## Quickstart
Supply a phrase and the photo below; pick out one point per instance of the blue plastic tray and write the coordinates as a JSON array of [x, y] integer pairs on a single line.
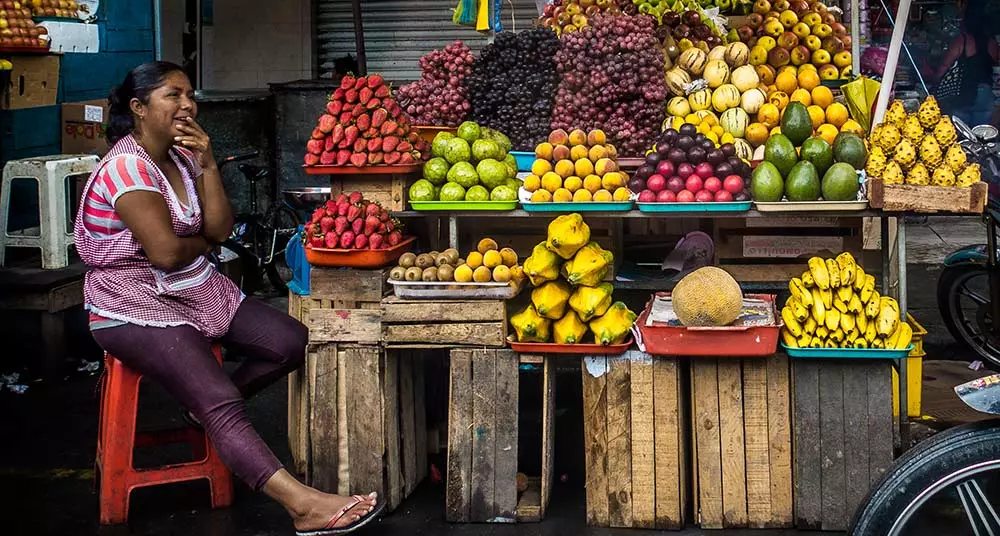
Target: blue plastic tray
[[846, 353], [580, 206], [735, 206], [524, 160]]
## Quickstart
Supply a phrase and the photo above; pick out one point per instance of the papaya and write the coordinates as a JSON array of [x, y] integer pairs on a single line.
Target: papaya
[[589, 266], [614, 326], [550, 299], [569, 329], [529, 326], [589, 302], [543, 265], [567, 234]]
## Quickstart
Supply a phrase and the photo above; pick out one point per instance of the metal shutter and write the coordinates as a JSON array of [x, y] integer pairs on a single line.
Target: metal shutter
[[398, 32]]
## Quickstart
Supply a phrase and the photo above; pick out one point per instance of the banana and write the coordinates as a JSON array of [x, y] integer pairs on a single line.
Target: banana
[[873, 305], [830, 344], [862, 321], [834, 271], [870, 333], [837, 336], [827, 296], [888, 316], [799, 290], [800, 311], [839, 304], [878, 343], [852, 336], [860, 342], [789, 339], [807, 279], [832, 320], [820, 273], [791, 322], [868, 288], [901, 339], [859, 278], [818, 309], [854, 305], [845, 293], [847, 322], [822, 332], [804, 340], [815, 343], [809, 326], [846, 343], [848, 269]]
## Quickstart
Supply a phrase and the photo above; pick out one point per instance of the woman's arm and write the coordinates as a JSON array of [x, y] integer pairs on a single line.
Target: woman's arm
[[216, 211], [145, 213], [954, 52]]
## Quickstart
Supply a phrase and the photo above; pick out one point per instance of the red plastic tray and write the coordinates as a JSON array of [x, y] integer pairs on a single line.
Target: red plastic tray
[[358, 258], [363, 170], [24, 50], [575, 349], [726, 341]]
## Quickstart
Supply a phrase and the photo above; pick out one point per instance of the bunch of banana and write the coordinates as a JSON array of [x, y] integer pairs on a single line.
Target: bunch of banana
[[834, 304]]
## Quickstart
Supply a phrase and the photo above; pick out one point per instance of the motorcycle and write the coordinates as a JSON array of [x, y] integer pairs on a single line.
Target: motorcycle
[[968, 290]]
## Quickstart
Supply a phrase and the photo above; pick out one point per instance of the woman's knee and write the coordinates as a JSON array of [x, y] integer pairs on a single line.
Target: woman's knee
[[292, 342]]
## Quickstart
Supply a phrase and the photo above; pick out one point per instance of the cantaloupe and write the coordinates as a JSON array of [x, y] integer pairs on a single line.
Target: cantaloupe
[[708, 296]]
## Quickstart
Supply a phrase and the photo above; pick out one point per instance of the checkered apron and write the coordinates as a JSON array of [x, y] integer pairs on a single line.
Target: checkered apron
[[123, 285]]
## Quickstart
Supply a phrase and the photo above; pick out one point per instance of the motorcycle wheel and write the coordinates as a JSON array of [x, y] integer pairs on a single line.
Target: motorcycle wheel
[[947, 484], [963, 296]]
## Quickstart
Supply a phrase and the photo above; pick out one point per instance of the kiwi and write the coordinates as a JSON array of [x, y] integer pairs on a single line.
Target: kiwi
[[424, 260], [408, 260], [434, 254], [442, 260], [413, 274], [452, 254], [397, 274], [446, 272], [430, 274]]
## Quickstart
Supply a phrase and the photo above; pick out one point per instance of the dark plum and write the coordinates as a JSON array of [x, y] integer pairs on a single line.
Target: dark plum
[[723, 169], [684, 143], [677, 155], [707, 144], [644, 171], [652, 159], [699, 137], [735, 162], [715, 157], [636, 184], [663, 149], [728, 149], [670, 136], [696, 155], [687, 129]]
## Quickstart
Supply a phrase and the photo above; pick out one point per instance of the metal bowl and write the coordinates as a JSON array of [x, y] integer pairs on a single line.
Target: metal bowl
[[306, 198], [985, 132]]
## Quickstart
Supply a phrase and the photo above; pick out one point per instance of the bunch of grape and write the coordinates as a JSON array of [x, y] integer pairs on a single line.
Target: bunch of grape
[[439, 98], [612, 79], [512, 85]]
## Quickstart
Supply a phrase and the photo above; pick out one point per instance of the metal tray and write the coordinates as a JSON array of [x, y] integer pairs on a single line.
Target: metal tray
[[580, 206], [570, 349], [462, 205], [811, 206], [437, 290], [735, 206], [846, 353]]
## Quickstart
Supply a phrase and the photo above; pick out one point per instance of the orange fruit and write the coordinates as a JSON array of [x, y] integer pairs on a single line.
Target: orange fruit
[[801, 95], [573, 183], [532, 182], [603, 196], [808, 79], [622, 194], [583, 167], [581, 196], [769, 115], [776, 130], [822, 96], [854, 127], [578, 152], [837, 114], [492, 259], [592, 183], [779, 99], [562, 195], [828, 132], [541, 167], [501, 274], [786, 81], [817, 115], [552, 182], [756, 134], [474, 259], [482, 275], [541, 196], [564, 168]]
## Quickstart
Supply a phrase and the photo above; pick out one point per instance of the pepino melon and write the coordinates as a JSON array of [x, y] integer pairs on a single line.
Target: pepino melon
[[708, 296], [693, 60]]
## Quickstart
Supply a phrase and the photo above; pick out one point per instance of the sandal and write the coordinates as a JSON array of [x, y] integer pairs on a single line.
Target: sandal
[[329, 530]]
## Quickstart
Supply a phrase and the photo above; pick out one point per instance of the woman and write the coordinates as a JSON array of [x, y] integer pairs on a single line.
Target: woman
[[976, 52], [152, 210]]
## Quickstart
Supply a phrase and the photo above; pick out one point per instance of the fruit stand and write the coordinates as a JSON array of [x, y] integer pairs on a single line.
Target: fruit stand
[[701, 389]]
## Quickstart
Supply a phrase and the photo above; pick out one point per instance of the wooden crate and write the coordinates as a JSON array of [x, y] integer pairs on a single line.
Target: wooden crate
[[909, 198], [743, 442], [482, 436], [634, 439], [443, 323], [843, 437], [388, 191], [776, 249], [534, 501]]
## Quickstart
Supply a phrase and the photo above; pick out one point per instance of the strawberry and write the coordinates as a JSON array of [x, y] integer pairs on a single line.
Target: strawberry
[[360, 242], [374, 144], [376, 241], [358, 159], [347, 81], [404, 121], [337, 134], [364, 122], [340, 200], [311, 159], [371, 224], [330, 240], [383, 215], [375, 81], [360, 145], [326, 224], [353, 212], [333, 108], [355, 197], [404, 147], [390, 143], [382, 92], [388, 127], [351, 134], [394, 110], [330, 206], [406, 159], [318, 134], [326, 123], [389, 103], [330, 145], [340, 224], [413, 137], [392, 158], [347, 240], [343, 209], [390, 226], [316, 241], [345, 118], [343, 156], [327, 158], [361, 82], [401, 132], [381, 228], [351, 96], [372, 104], [338, 94], [358, 225], [318, 214], [375, 159], [373, 209], [370, 133], [359, 109], [394, 238], [365, 95], [343, 144], [314, 146], [378, 117]]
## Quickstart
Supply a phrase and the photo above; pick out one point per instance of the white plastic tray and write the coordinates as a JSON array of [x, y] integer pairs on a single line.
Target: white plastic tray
[[426, 290], [810, 206]]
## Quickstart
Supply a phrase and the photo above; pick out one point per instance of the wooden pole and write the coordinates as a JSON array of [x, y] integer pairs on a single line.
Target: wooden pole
[[856, 36], [359, 37]]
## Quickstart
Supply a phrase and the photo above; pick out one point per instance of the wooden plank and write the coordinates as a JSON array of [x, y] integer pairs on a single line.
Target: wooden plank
[[407, 423], [467, 334], [350, 285], [805, 425], [548, 433], [52, 300], [643, 461], [391, 402], [619, 442], [705, 387], [420, 413], [595, 437], [397, 311], [529, 508], [909, 198], [365, 419], [532, 359], [343, 429], [459, 478], [733, 442], [755, 421], [294, 391], [831, 426], [484, 419], [505, 465], [344, 325], [756, 273], [323, 440], [855, 434], [669, 486], [779, 436], [880, 420]]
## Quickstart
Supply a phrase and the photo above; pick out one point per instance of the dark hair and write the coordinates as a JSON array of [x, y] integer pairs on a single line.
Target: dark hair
[[139, 83]]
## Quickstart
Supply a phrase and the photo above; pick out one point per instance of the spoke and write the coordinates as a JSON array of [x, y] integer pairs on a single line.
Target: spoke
[[978, 298], [965, 506], [981, 515], [988, 505]]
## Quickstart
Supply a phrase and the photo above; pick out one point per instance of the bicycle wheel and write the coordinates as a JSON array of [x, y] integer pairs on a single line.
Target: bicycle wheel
[[283, 222], [964, 301], [245, 270], [949, 484]]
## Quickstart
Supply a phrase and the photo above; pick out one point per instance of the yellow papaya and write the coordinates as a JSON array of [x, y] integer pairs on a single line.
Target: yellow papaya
[[550, 299], [614, 326], [530, 326], [569, 329], [589, 302], [543, 265], [567, 234], [589, 266]]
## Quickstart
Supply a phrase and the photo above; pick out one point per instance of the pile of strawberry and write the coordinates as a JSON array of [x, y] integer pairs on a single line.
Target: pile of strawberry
[[364, 126], [351, 222]]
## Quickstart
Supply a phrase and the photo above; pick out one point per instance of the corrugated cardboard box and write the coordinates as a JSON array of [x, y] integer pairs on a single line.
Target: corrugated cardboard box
[[34, 81], [83, 126]]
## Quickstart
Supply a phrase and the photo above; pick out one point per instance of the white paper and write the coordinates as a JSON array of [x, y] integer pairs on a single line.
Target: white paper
[[93, 113]]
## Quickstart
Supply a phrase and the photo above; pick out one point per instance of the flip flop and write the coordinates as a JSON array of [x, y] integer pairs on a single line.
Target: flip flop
[[329, 530]]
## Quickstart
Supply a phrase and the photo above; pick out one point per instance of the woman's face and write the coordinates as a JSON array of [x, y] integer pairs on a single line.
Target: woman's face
[[169, 105]]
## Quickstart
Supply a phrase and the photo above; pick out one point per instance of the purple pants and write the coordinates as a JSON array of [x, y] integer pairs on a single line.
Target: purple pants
[[180, 359]]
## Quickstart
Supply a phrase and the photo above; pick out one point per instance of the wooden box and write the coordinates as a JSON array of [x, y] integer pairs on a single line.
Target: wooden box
[[388, 191], [909, 198], [743, 442], [534, 500], [482, 436], [634, 440], [443, 323], [843, 437]]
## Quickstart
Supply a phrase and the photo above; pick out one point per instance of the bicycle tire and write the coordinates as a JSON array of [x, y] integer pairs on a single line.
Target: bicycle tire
[[277, 270], [248, 277], [920, 469], [946, 293]]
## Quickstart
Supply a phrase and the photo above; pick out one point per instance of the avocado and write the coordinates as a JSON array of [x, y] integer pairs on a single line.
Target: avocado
[[802, 183], [796, 123], [780, 151], [840, 183], [766, 184], [819, 152], [850, 149]]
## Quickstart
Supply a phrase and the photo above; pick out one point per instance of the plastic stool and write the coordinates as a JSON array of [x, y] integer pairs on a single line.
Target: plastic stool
[[50, 173], [117, 439]]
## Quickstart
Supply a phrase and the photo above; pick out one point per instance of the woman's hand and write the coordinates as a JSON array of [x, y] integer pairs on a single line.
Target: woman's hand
[[196, 140]]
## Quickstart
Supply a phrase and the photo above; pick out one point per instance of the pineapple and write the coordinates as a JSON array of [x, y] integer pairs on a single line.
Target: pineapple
[[918, 175], [930, 152], [889, 138], [955, 158], [912, 129], [945, 133], [876, 162], [896, 114], [943, 176], [906, 154], [892, 174], [970, 176], [929, 113]]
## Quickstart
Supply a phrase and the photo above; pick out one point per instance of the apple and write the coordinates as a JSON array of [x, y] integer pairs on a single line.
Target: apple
[[684, 170], [723, 196], [675, 184], [685, 197], [666, 196], [665, 168], [656, 183], [647, 196], [713, 184], [704, 196], [733, 184], [694, 183], [813, 42], [704, 171]]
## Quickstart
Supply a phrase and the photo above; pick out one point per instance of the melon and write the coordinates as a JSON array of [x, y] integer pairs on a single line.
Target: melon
[[745, 78], [678, 106], [693, 60], [707, 297], [677, 78], [726, 97], [743, 149], [700, 100], [717, 53], [752, 100], [716, 73], [737, 54], [735, 121]]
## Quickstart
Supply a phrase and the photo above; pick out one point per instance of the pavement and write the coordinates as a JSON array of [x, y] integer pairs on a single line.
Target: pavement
[[47, 446]]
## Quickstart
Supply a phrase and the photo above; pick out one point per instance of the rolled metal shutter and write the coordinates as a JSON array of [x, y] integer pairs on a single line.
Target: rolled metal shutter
[[399, 32]]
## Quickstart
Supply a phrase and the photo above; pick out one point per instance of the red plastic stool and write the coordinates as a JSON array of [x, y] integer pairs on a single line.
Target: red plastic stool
[[117, 439]]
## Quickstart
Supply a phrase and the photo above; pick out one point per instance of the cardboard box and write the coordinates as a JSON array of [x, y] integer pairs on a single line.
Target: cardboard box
[[34, 82], [83, 126]]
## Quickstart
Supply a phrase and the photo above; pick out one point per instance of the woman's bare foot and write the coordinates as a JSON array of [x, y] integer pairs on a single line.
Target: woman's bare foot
[[323, 507]]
